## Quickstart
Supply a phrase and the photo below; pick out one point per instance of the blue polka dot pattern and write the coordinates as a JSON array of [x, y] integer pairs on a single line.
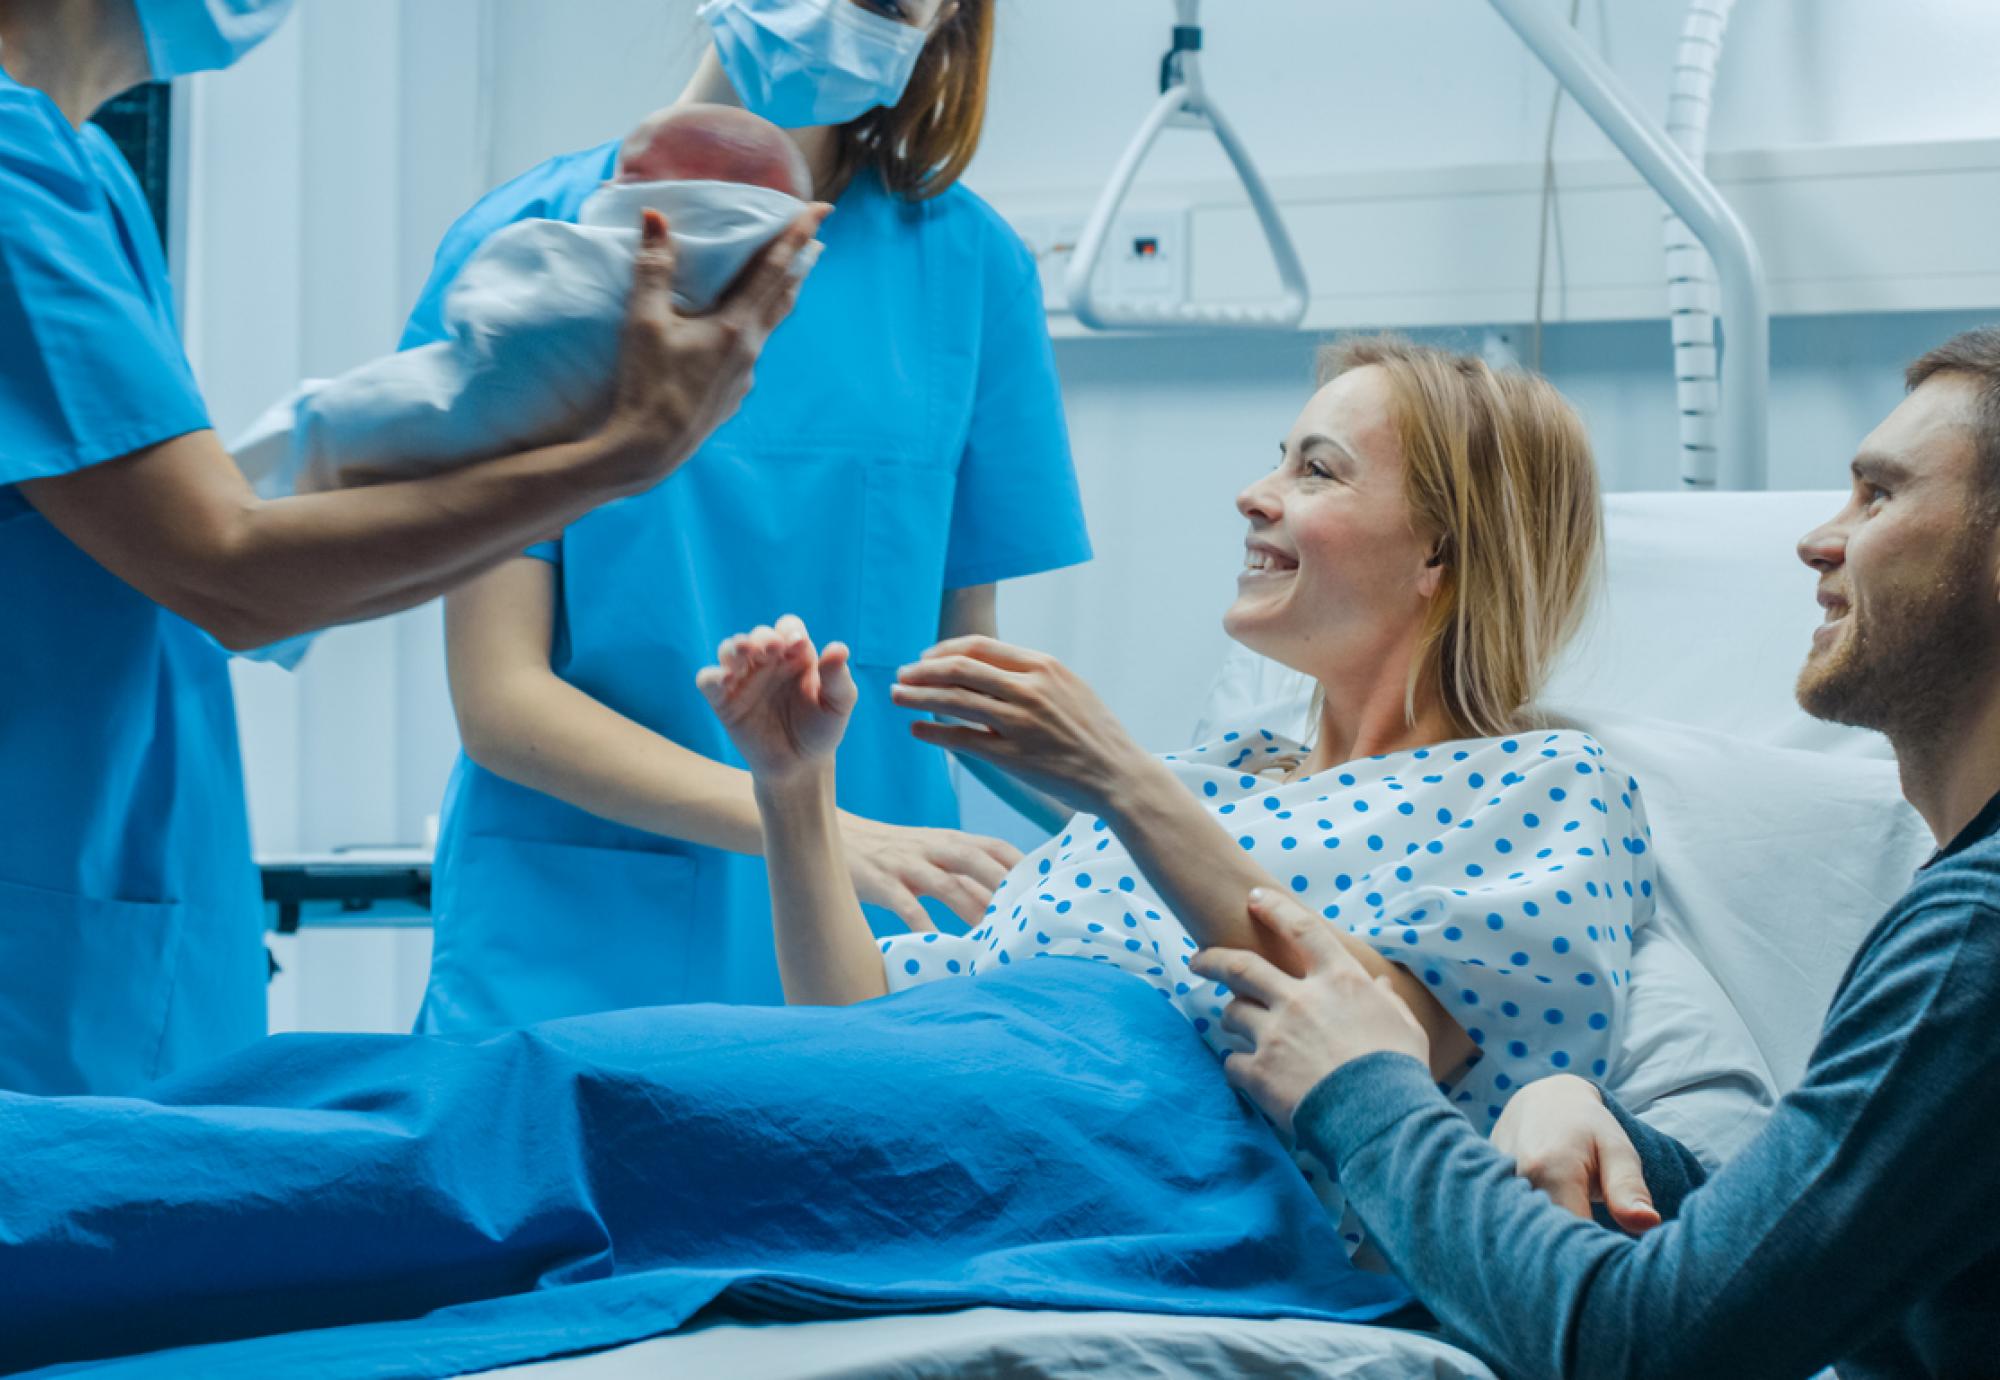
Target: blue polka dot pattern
[[1508, 874]]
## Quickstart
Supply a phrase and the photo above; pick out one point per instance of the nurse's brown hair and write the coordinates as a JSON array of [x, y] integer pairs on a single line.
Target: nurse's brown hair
[[920, 145]]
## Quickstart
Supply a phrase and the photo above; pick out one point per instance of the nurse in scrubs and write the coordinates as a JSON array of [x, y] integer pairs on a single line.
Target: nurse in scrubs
[[132, 552], [904, 451]]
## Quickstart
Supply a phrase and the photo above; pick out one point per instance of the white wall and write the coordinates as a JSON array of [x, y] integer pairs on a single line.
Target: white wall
[[326, 167], [321, 173]]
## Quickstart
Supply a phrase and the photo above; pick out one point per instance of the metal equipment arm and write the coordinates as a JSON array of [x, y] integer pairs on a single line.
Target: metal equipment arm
[[1746, 311]]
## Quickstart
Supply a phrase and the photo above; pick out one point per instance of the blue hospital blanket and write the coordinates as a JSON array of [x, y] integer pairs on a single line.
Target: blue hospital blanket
[[1051, 1136]]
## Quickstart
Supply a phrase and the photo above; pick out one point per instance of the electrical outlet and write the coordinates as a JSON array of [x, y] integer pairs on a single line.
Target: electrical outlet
[[1145, 260]]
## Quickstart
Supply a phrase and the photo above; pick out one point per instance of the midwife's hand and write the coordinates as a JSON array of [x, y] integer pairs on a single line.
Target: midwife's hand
[[1024, 711], [892, 865], [783, 703], [680, 377], [1564, 1142], [1304, 1028]]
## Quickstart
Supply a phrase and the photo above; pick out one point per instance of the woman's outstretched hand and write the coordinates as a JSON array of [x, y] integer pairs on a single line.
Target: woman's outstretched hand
[[1024, 711], [783, 703]]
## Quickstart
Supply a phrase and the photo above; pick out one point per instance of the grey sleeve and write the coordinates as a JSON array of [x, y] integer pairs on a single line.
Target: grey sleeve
[[1826, 1228], [1672, 1170]]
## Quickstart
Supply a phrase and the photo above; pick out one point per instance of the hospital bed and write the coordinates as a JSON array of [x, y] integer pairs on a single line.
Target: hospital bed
[[1780, 840]]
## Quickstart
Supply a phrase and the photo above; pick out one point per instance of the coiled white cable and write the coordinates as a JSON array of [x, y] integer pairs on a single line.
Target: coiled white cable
[[1691, 290]]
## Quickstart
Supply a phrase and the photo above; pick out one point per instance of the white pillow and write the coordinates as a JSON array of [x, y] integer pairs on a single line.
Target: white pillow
[[1774, 864], [1686, 1063], [1705, 617]]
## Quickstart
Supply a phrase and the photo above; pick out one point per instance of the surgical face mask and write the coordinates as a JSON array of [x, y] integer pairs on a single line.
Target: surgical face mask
[[184, 36], [800, 63]]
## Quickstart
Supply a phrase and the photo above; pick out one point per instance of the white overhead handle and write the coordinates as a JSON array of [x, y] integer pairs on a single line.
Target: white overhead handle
[[1182, 95], [1746, 310]]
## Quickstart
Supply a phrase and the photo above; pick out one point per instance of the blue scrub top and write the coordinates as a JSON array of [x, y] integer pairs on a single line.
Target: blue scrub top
[[130, 914], [905, 437]]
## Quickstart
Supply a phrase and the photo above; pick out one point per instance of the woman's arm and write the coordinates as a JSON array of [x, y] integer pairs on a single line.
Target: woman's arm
[[522, 721], [519, 719], [785, 706], [1032, 715], [178, 522]]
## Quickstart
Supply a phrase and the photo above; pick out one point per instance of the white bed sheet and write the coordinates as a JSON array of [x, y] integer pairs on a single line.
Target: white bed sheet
[[1023, 1343]]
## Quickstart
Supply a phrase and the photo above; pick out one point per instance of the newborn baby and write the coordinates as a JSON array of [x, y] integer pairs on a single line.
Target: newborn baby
[[532, 321]]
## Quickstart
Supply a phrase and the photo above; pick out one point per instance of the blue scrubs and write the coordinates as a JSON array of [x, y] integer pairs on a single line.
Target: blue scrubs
[[905, 437], [130, 917]]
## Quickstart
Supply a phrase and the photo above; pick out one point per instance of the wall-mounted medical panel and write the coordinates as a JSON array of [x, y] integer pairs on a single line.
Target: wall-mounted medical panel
[[1875, 228]]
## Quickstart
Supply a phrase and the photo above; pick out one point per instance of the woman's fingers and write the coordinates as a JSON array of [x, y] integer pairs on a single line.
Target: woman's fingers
[[980, 742], [958, 704], [1001, 851], [713, 682], [962, 897], [910, 910], [962, 673], [991, 650], [763, 641], [968, 861], [838, 692]]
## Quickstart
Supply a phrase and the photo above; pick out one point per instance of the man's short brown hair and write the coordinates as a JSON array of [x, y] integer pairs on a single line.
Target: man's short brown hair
[[1976, 355]]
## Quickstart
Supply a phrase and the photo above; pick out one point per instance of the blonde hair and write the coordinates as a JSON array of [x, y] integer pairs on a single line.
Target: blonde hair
[[1498, 469]]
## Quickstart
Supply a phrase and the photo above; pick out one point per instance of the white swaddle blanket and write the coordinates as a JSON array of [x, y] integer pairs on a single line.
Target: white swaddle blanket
[[531, 345], [531, 340]]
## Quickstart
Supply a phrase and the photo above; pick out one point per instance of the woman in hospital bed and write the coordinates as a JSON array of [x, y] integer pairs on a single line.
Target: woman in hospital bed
[[1423, 549]]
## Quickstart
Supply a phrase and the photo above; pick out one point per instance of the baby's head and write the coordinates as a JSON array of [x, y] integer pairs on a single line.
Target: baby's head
[[714, 143]]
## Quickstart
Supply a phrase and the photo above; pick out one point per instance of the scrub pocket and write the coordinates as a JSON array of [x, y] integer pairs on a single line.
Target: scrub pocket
[[85, 986], [532, 930]]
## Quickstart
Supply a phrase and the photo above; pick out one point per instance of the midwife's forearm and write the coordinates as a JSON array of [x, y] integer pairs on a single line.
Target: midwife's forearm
[[826, 954], [1205, 877]]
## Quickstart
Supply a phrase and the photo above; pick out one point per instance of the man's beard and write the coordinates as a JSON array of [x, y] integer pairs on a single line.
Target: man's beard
[[1904, 670]]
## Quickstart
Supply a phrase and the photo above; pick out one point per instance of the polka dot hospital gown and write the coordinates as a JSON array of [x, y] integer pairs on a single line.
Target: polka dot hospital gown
[[1509, 874]]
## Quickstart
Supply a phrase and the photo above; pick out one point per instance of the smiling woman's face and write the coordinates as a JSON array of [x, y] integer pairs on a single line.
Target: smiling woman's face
[[1333, 569]]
